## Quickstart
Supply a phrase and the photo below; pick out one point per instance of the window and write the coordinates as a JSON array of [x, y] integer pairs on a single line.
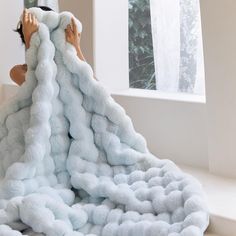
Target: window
[[30, 3], [53, 4], [141, 58], [165, 46]]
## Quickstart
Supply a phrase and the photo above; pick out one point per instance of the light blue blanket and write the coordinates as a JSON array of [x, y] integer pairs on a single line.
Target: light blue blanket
[[71, 163]]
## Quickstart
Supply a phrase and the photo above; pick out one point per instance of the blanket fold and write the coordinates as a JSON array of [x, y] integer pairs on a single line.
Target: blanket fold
[[71, 163]]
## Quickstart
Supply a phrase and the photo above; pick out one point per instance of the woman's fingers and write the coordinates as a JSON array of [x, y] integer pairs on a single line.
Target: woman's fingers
[[30, 18], [69, 29], [35, 22], [68, 32], [25, 16], [74, 26]]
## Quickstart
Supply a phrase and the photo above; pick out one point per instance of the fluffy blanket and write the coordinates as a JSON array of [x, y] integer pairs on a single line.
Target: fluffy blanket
[[71, 163]]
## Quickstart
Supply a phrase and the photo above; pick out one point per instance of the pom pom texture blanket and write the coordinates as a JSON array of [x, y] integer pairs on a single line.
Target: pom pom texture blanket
[[71, 163]]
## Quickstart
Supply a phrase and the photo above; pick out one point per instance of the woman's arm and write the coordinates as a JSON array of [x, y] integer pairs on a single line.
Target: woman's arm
[[73, 37], [29, 26]]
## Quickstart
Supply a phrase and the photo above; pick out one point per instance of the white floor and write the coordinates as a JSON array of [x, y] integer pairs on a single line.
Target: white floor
[[221, 196]]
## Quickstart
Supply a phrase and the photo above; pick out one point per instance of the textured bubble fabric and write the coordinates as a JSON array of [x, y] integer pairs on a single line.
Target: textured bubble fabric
[[71, 163]]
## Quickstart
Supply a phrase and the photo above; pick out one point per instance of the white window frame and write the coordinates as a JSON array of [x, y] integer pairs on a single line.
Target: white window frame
[[111, 59]]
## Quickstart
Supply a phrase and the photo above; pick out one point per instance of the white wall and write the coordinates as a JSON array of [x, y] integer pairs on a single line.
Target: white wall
[[174, 130], [219, 39], [11, 48], [111, 46]]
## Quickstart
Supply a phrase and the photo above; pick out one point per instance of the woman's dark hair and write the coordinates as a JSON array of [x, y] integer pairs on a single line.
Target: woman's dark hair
[[19, 28]]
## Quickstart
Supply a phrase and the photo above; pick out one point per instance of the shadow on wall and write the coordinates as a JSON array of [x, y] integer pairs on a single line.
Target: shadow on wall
[[83, 10]]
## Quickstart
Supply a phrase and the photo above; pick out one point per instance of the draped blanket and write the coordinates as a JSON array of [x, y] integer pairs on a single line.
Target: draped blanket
[[71, 163]]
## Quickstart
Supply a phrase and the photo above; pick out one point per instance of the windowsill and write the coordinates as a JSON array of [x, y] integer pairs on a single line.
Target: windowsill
[[153, 94], [221, 197], [9, 89]]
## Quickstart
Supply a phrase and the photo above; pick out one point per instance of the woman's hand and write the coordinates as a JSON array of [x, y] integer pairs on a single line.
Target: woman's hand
[[73, 37], [72, 34], [29, 25]]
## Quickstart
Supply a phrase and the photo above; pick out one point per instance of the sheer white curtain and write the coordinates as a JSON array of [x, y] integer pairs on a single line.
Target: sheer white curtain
[[177, 44], [53, 4]]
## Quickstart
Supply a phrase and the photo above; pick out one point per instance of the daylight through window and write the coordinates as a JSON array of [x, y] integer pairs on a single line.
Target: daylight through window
[[165, 46]]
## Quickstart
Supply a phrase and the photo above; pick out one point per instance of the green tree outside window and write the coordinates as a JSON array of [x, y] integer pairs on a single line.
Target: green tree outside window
[[141, 58]]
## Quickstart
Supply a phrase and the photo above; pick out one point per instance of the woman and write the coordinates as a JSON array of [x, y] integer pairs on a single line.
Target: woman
[[30, 25]]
